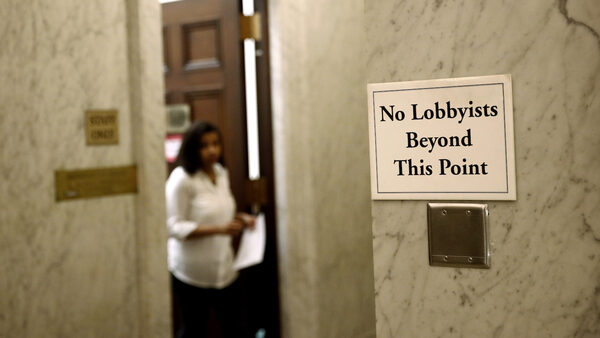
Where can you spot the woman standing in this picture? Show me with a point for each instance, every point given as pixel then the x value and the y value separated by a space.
pixel 201 219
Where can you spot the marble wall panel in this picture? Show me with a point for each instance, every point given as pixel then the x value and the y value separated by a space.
pixel 545 274
pixel 321 159
pixel 69 268
pixel 148 130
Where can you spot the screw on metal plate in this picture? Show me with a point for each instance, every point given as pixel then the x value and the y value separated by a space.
pixel 469 212
pixel 470 259
pixel 444 212
pixel 445 258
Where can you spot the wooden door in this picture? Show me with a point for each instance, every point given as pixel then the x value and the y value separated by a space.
pixel 203 68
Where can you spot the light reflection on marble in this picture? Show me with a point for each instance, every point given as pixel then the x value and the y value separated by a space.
pixel 545 274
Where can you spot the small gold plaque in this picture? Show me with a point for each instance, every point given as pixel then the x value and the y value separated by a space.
pixel 85 183
pixel 102 127
pixel 250 27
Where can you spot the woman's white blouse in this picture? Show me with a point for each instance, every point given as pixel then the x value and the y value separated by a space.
pixel 194 200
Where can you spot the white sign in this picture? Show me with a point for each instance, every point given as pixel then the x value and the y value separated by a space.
pixel 442 139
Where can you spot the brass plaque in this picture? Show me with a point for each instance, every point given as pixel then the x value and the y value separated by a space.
pixel 250 27
pixel 85 183
pixel 102 127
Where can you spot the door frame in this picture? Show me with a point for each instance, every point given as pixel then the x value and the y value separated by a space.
pixel 267 166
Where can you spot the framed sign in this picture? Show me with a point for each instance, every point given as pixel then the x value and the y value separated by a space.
pixel 442 139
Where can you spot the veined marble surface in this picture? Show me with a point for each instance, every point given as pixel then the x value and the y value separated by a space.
pixel 321 159
pixel 148 130
pixel 70 269
pixel 544 279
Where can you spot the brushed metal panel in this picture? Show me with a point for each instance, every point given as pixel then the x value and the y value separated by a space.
pixel 458 235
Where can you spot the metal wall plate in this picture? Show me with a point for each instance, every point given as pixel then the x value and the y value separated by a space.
pixel 101 126
pixel 458 235
pixel 95 182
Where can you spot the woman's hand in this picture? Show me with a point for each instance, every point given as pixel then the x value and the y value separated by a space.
pixel 247 219
pixel 233 227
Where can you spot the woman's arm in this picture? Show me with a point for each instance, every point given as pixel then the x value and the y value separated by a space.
pixel 179 194
pixel 230 228
pixel 247 219
pixel 178 197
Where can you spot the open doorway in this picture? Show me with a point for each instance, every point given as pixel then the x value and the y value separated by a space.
pixel 206 74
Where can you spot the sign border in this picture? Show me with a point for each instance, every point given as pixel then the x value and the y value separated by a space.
pixel 493 80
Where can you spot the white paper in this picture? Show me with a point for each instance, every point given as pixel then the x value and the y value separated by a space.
pixel 252 245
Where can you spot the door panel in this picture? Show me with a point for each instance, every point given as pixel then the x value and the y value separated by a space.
pixel 201 45
pixel 206 105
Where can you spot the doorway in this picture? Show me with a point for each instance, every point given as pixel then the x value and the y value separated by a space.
pixel 204 71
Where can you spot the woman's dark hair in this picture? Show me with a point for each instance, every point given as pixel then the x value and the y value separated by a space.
pixel 189 152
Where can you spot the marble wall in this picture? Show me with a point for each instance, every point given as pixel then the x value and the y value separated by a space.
pixel 545 275
pixel 82 268
pixel 321 159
